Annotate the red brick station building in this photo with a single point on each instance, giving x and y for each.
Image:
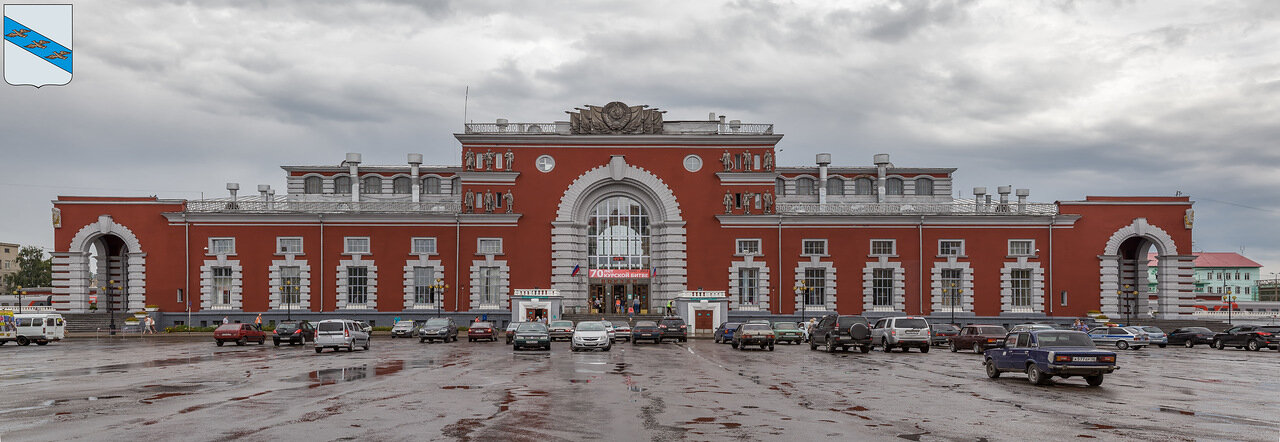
(615, 209)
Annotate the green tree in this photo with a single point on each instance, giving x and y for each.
(34, 270)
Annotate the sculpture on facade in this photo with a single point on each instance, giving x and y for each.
(509, 159)
(748, 200)
(468, 160)
(468, 202)
(615, 118)
(747, 163)
(489, 202)
(727, 159)
(768, 203)
(728, 203)
(509, 200)
(768, 161)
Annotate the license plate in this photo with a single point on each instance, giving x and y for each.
(1084, 359)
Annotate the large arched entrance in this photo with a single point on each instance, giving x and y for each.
(618, 255)
(103, 267)
(1130, 289)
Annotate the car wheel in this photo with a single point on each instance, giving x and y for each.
(471, 340)
(241, 341)
(831, 348)
(1122, 344)
(608, 348)
(992, 371)
(715, 339)
(734, 344)
(21, 339)
(953, 347)
(924, 349)
(770, 347)
(1035, 375)
(1094, 380)
(1217, 343)
(1189, 343)
(977, 348)
(421, 340)
(1252, 345)
(844, 348)
(351, 347)
(813, 345)
(366, 345)
(865, 348)
(1162, 345)
(884, 344)
(319, 349)
(277, 342)
(633, 343)
(657, 341)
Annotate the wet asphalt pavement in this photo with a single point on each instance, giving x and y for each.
(187, 389)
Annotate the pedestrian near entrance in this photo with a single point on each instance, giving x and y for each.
(150, 326)
(257, 322)
(635, 304)
(225, 320)
(617, 305)
(631, 312)
(671, 307)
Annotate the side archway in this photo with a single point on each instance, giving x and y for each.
(1124, 265)
(121, 258)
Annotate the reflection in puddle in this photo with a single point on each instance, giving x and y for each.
(330, 376)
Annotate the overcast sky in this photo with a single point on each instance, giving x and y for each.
(1066, 98)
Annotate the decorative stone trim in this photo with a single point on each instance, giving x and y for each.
(207, 296)
(1175, 281)
(341, 285)
(762, 295)
(938, 294)
(71, 275)
(304, 283)
(504, 281)
(899, 286)
(1037, 286)
(421, 261)
(829, 283)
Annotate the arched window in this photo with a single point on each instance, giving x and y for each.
(312, 185)
(893, 186)
(924, 186)
(780, 187)
(618, 235)
(862, 186)
(402, 184)
(431, 185)
(372, 184)
(342, 185)
(804, 186)
(835, 186)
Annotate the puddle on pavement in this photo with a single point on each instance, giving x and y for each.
(161, 396)
(330, 376)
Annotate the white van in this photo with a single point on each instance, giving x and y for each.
(40, 328)
(340, 333)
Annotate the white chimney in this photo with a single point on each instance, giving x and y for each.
(882, 169)
(823, 160)
(1004, 192)
(353, 161)
(233, 187)
(415, 162)
(978, 192)
(1022, 199)
(271, 199)
(263, 189)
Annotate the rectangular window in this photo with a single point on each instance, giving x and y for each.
(748, 285)
(424, 246)
(815, 286)
(291, 284)
(356, 245)
(489, 246)
(1021, 247)
(1020, 283)
(423, 281)
(748, 247)
(1247, 277)
(357, 285)
(814, 247)
(289, 245)
(951, 288)
(488, 285)
(883, 247)
(951, 247)
(882, 287)
(222, 246)
(222, 285)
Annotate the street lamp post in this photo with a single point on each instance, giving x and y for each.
(111, 307)
(953, 297)
(19, 292)
(286, 295)
(803, 291)
(436, 294)
(1128, 296)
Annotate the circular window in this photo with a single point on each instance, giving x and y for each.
(545, 163)
(693, 163)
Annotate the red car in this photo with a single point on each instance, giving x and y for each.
(979, 337)
(239, 334)
(481, 330)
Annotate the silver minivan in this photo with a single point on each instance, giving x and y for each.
(340, 333)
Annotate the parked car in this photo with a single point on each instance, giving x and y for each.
(621, 330)
(1190, 336)
(293, 332)
(1043, 354)
(590, 335)
(510, 332)
(237, 333)
(481, 330)
(787, 331)
(753, 333)
(561, 330)
(724, 333)
(1155, 335)
(1120, 337)
(365, 327)
(1249, 337)
(608, 327)
(646, 330)
(438, 329)
(942, 333)
(673, 327)
(340, 333)
(836, 331)
(404, 329)
(757, 321)
(903, 332)
(1031, 327)
(978, 337)
(531, 334)
(40, 328)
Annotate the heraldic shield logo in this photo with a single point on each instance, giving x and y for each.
(37, 45)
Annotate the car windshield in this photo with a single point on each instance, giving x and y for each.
(1064, 339)
(991, 331)
(330, 326)
(590, 326)
(1150, 329)
(911, 323)
(404, 324)
(646, 324)
(481, 325)
(755, 327)
(785, 326)
(562, 323)
(531, 327)
(437, 322)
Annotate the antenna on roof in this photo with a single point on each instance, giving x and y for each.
(466, 97)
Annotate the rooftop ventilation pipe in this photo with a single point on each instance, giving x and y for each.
(823, 160)
(415, 162)
(978, 192)
(882, 168)
(233, 187)
(353, 161)
(1004, 192)
(1022, 199)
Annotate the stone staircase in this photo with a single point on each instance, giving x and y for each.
(91, 322)
(609, 317)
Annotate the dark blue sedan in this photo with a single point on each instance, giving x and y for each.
(724, 333)
(1043, 354)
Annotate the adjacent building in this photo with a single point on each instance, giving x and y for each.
(8, 259)
(1219, 274)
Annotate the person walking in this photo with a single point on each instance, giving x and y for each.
(617, 305)
(225, 320)
(150, 326)
(671, 306)
(257, 322)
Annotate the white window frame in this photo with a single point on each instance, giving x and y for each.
(1031, 247)
(290, 293)
(280, 248)
(804, 243)
(697, 163)
(413, 245)
(423, 288)
(222, 285)
(893, 247)
(357, 289)
(480, 249)
(346, 246)
(958, 252)
(815, 283)
(490, 280)
(742, 241)
(1021, 288)
(215, 251)
(748, 285)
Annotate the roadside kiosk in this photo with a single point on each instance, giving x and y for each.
(8, 328)
(530, 304)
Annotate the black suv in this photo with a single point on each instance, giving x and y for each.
(1249, 337)
(673, 328)
(293, 332)
(843, 332)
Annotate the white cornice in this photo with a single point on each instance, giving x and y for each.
(149, 202)
(930, 221)
(613, 141)
(747, 177)
(1125, 203)
(482, 177)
